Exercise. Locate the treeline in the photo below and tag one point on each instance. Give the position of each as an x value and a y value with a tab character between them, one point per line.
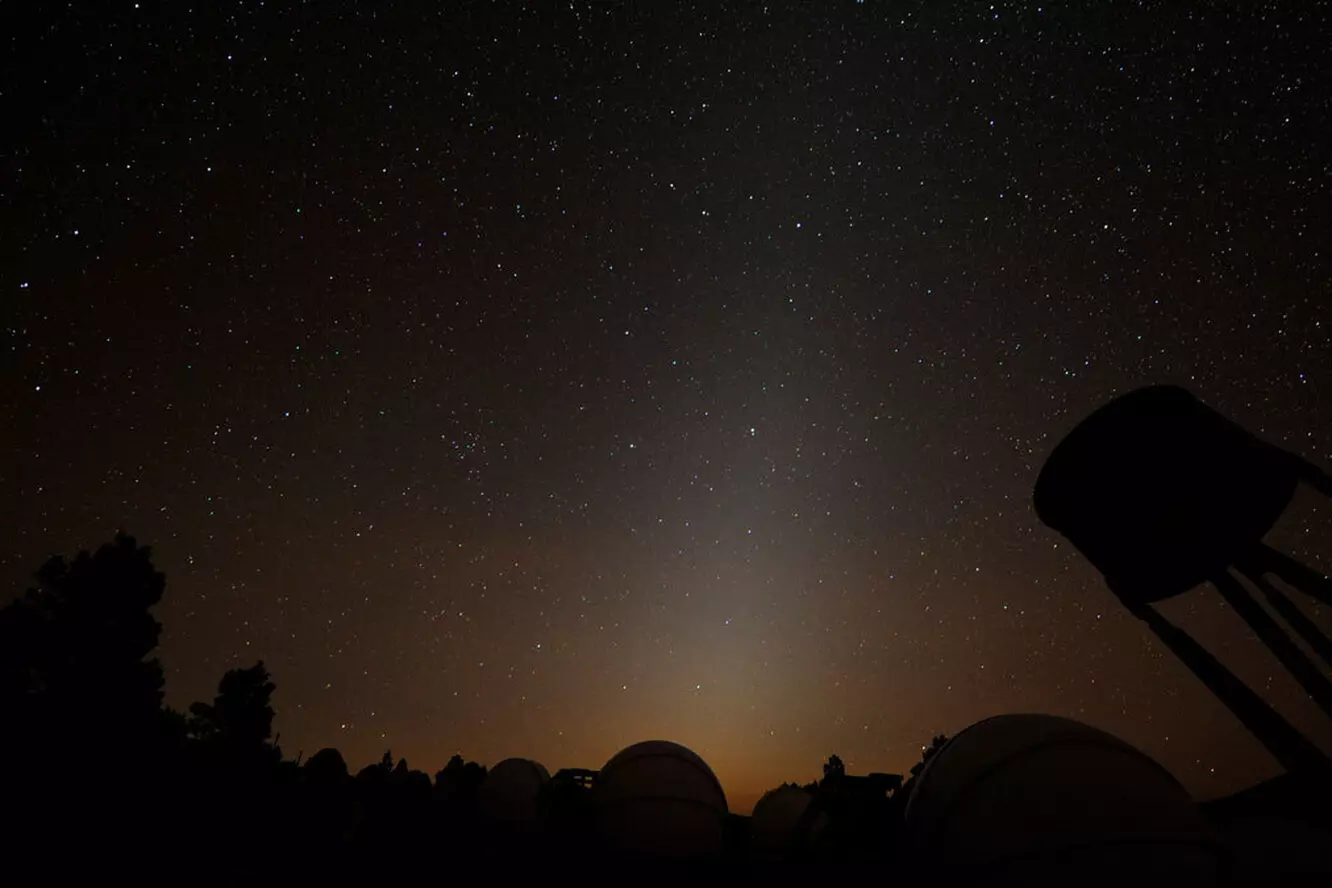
108	781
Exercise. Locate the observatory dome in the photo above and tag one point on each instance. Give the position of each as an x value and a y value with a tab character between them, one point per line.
772	827
659	799
509	793
1034	797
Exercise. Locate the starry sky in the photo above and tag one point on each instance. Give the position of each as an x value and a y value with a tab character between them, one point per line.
533	379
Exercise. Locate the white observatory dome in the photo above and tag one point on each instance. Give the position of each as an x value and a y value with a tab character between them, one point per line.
773	824
659	799
509	793
1017	798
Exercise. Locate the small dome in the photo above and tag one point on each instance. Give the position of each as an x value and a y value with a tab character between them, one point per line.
660	799
772	827
1020	797
509	793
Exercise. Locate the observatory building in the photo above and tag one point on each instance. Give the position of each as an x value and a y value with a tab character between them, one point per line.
776	818
581	778
1030	798
509	793
658	799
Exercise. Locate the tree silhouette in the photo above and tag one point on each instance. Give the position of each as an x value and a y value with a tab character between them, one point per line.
74	649
928	753
238	724
453	769
379	772
458	782
326	767
77	685
462	772
834	769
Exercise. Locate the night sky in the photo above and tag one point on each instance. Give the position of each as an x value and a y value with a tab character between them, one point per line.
533	379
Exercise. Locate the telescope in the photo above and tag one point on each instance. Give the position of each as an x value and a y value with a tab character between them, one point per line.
1163	494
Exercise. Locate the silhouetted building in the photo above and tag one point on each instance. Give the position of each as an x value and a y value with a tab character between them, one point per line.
776	821
583	778
509	793
850	815
1035	799
660	800
872	787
